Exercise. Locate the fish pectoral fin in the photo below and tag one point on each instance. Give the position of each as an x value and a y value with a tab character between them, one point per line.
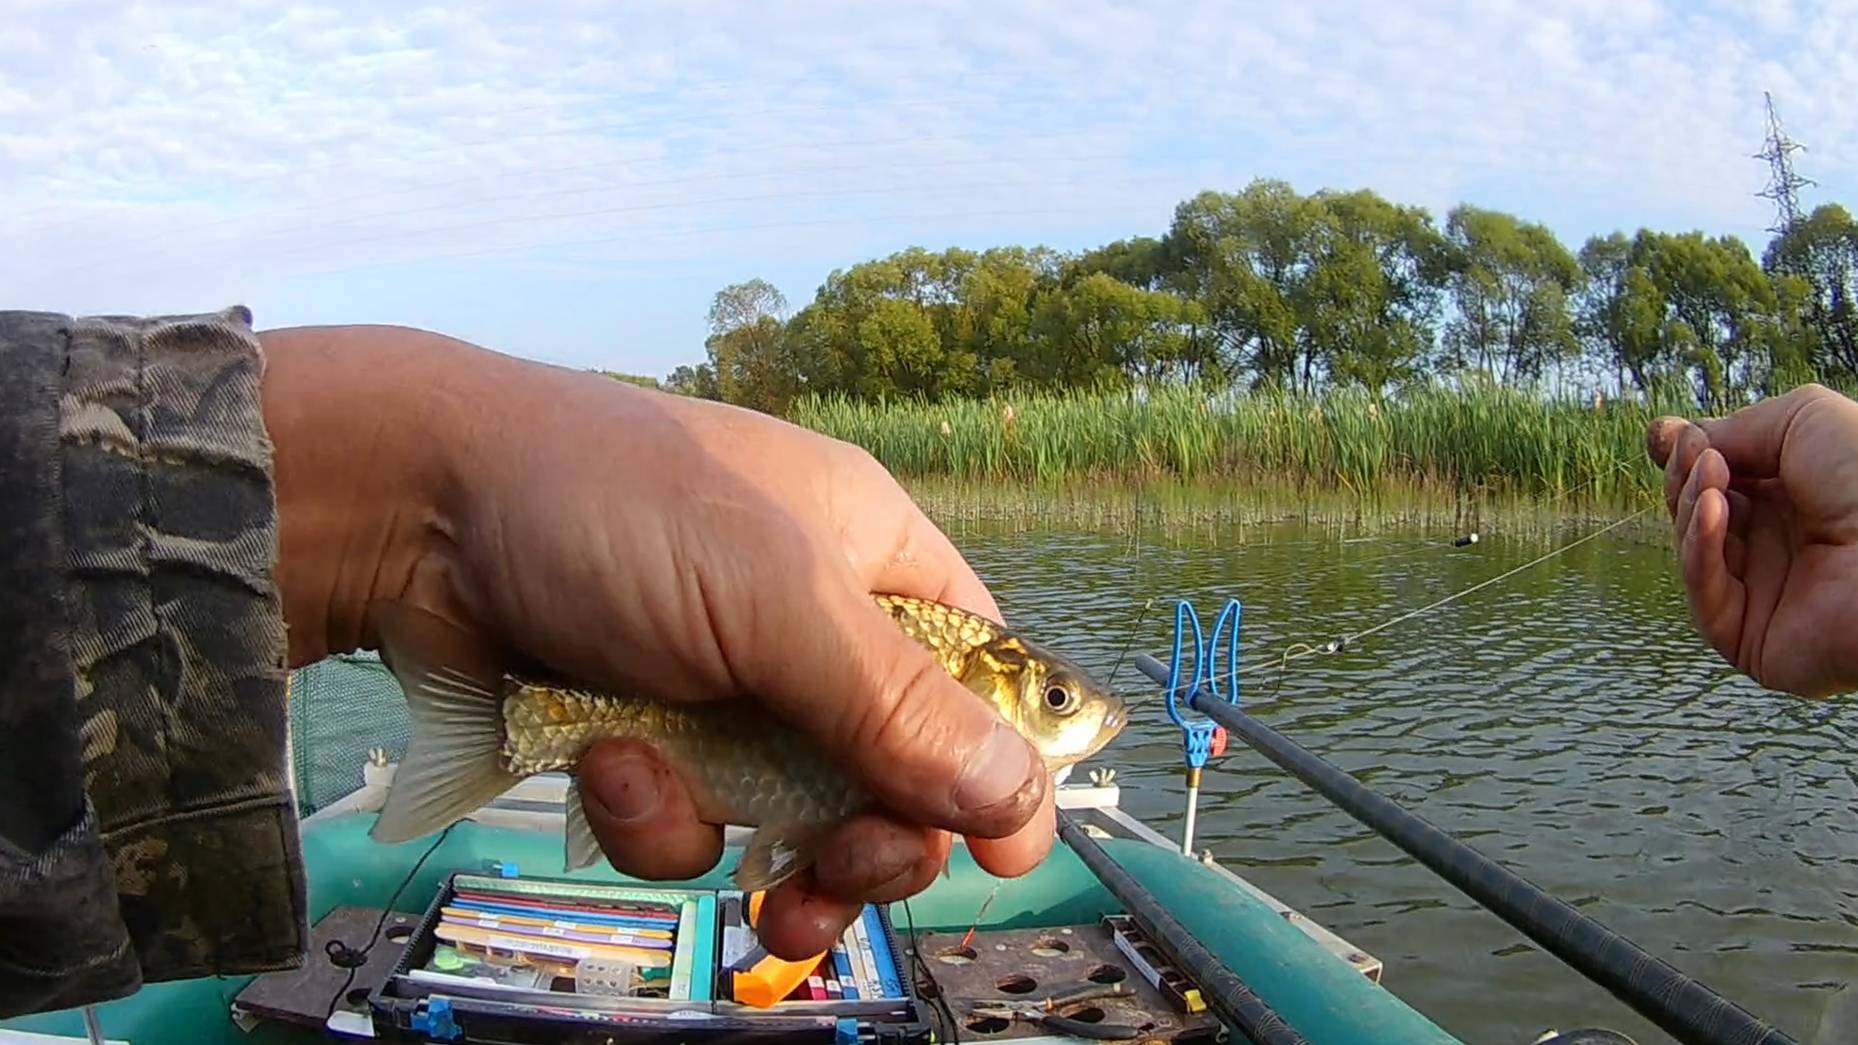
451	682
775	853
579	846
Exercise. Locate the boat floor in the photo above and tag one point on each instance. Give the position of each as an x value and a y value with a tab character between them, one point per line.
1322	994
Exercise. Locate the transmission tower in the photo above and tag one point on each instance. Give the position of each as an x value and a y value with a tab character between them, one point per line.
1783	184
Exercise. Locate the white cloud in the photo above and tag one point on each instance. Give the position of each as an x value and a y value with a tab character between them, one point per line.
150	152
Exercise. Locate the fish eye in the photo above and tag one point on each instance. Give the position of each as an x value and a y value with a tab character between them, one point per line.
1060	699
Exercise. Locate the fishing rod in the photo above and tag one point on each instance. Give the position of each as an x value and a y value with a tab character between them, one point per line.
1676	1002
1224	992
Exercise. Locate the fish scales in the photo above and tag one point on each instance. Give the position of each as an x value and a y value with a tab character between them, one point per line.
759	769
951	637
478	729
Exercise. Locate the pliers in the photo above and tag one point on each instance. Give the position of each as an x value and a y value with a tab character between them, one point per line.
1048	1017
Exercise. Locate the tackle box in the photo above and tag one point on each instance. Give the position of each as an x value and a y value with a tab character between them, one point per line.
520	960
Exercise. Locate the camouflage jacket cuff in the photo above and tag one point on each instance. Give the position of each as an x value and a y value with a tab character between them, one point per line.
147	831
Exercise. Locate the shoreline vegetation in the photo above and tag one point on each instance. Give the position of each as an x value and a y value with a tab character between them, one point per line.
1178	455
1489	439
1355	355
1166	512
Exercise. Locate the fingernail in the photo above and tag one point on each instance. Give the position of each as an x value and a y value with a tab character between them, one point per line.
627	788
995	773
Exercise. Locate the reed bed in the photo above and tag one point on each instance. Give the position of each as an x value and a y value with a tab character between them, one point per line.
1486	440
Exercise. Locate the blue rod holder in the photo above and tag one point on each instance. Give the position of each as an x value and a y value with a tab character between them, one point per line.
1197	735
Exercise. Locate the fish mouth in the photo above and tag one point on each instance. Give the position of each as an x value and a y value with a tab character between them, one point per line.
1110	725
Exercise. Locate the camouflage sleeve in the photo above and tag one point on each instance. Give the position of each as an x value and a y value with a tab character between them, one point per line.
146	827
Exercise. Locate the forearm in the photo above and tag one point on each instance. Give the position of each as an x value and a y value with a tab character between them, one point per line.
385	439
355	415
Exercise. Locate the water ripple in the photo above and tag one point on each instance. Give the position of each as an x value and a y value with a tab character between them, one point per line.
1568	721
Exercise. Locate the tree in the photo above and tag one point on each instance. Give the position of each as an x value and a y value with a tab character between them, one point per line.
1822	250
1661	304
1140	262
1619	312
1287	290
922	323
747	346
1510	285
1368	306
1716	301
698	381
1157	266
1243	258
1101	330
632	379
999	294
868	332
1299	290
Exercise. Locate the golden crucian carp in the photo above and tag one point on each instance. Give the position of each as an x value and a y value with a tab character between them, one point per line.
478	728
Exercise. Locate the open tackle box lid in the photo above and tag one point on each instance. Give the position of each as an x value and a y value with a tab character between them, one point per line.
541	960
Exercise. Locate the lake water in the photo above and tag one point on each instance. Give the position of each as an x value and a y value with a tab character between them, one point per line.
1568	722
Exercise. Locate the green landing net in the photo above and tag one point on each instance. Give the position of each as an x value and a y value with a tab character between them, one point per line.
342	709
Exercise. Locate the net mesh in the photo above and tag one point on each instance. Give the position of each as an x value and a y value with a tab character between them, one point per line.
341	708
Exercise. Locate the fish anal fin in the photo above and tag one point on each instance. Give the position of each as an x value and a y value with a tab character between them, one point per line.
775	853
452	685
579	846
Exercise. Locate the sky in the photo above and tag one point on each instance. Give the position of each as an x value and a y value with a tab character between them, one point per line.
573	181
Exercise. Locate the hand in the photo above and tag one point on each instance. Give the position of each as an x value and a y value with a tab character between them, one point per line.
645	541
1764	505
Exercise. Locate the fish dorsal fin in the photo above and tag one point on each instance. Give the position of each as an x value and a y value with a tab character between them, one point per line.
579	846
451	683
775	853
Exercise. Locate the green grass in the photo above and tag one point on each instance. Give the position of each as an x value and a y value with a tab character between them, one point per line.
1164	511
1488	441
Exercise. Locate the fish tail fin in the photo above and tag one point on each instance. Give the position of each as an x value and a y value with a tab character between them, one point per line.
579	847
451	683
775	853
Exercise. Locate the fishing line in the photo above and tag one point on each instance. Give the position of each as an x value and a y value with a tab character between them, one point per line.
245	234
975	926
686	203
684	233
342	955
681	233
451	151
1299	650
1133	628
940	997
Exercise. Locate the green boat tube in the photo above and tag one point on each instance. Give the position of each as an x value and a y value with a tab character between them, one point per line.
1329	1000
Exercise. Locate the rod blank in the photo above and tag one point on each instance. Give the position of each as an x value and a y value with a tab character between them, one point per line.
1678	1003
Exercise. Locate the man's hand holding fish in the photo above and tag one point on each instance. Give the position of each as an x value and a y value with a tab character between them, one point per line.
673	599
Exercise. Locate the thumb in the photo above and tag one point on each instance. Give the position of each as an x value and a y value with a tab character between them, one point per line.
924	745
1751	439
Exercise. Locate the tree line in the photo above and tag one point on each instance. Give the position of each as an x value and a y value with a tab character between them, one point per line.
1269	288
